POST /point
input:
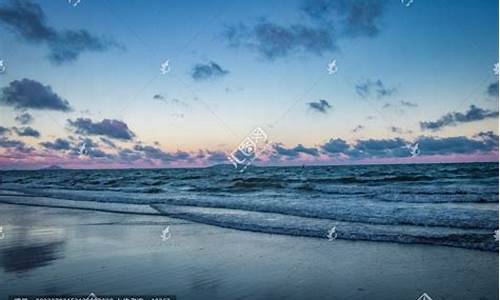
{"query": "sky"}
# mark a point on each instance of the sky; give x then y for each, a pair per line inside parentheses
(329, 82)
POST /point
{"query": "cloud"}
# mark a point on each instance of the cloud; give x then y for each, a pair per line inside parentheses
(326, 20)
(24, 118)
(377, 88)
(111, 128)
(4, 130)
(354, 18)
(335, 146)
(31, 94)
(27, 131)
(493, 89)
(452, 119)
(272, 40)
(6, 143)
(27, 20)
(212, 156)
(395, 129)
(108, 142)
(207, 71)
(146, 152)
(58, 144)
(358, 128)
(173, 101)
(321, 106)
(455, 145)
(408, 104)
(295, 151)
(15, 145)
(396, 147)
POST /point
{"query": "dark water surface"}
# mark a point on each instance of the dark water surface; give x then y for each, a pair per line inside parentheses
(443, 204)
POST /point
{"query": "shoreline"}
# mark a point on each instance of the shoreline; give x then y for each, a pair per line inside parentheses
(272, 223)
(81, 251)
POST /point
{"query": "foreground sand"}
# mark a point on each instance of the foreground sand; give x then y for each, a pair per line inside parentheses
(67, 251)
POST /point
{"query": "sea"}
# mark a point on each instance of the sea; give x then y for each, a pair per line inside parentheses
(437, 204)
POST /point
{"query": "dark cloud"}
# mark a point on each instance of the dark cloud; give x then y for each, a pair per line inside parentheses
(212, 156)
(17, 146)
(89, 148)
(155, 153)
(24, 118)
(30, 94)
(4, 130)
(395, 129)
(493, 90)
(353, 17)
(377, 88)
(58, 144)
(321, 106)
(111, 128)
(452, 119)
(158, 97)
(335, 146)
(295, 151)
(408, 104)
(6, 143)
(396, 147)
(272, 40)
(27, 131)
(326, 21)
(108, 142)
(455, 145)
(27, 20)
(358, 128)
(207, 71)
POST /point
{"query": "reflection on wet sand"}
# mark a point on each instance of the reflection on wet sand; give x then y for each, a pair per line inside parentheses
(33, 248)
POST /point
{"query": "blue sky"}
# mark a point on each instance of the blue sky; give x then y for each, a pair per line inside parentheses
(435, 56)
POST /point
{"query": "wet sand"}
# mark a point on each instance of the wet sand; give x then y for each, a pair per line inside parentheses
(67, 251)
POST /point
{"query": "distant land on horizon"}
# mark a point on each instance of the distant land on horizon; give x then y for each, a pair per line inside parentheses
(57, 167)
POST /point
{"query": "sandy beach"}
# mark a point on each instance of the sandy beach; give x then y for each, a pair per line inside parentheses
(50, 251)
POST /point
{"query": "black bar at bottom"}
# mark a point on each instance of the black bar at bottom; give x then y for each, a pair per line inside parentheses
(92, 297)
